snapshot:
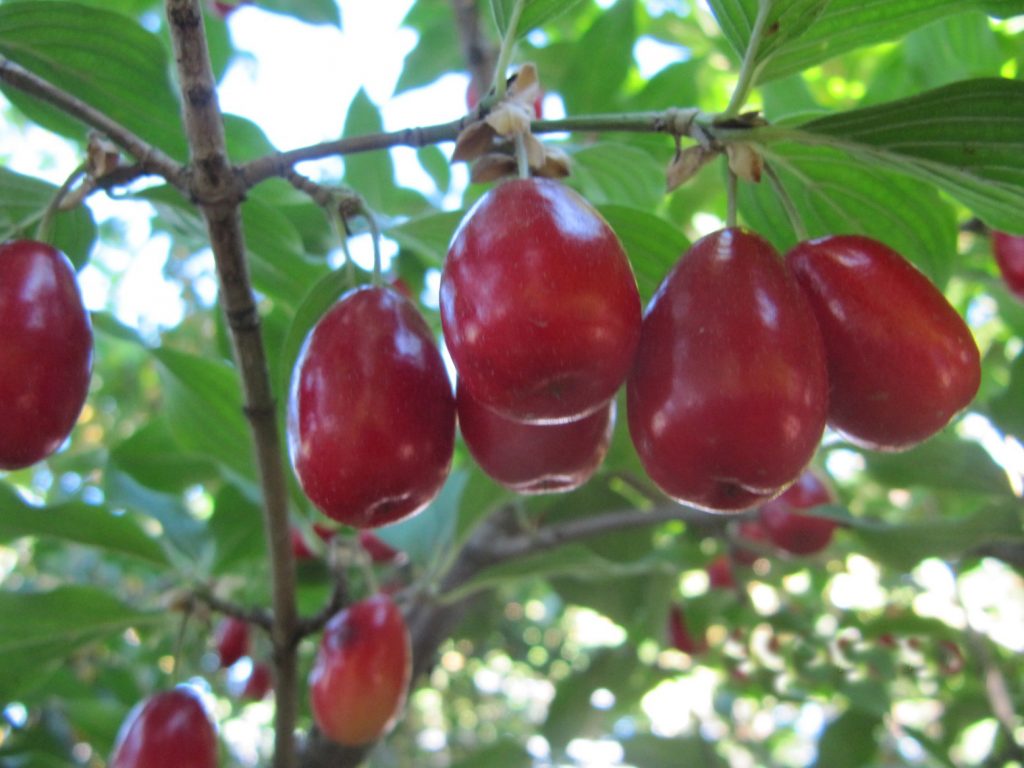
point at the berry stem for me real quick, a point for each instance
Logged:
(522, 161)
(44, 232)
(508, 44)
(750, 66)
(732, 192)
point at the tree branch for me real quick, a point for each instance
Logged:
(676, 121)
(218, 190)
(149, 158)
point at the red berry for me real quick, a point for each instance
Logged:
(1009, 253)
(535, 458)
(795, 532)
(728, 394)
(361, 674)
(679, 633)
(371, 414)
(232, 640)
(901, 361)
(300, 549)
(378, 549)
(539, 304)
(258, 683)
(720, 573)
(45, 352)
(169, 730)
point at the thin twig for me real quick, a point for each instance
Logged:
(149, 157)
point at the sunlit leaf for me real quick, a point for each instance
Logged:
(103, 58)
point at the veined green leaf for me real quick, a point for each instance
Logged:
(966, 138)
(904, 546)
(204, 408)
(101, 57)
(77, 523)
(39, 630)
(834, 193)
(536, 13)
(812, 31)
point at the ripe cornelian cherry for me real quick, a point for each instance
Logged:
(1009, 253)
(45, 352)
(539, 304)
(361, 674)
(169, 730)
(371, 413)
(232, 640)
(901, 361)
(719, 573)
(727, 397)
(793, 531)
(679, 634)
(535, 458)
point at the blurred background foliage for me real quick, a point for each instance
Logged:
(881, 651)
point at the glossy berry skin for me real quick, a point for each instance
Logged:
(371, 413)
(169, 730)
(258, 684)
(679, 634)
(1009, 253)
(901, 361)
(46, 351)
(378, 549)
(728, 394)
(232, 640)
(535, 458)
(792, 531)
(719, 573)
(539, 304)
(361, 674)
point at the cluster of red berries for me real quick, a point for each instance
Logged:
(732, 373)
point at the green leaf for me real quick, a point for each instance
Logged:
(813, 31)
(1008, 407)
(965, 138)
(595, 80)
(103, 58)
(505, 753)
(653, 751)
(203, 403)
(942, 463)
(652, 244)
(151, 456)
(77, 523)
(849, 741)
(236, 528)
(618, 173)
(836, 193)
(536, 13)
(427, 536)
(427, 236)
(782, 21)
(23, 201)
(437, 50)
(40, 630)
(904, 546)
(180, 529)
(277, 257)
